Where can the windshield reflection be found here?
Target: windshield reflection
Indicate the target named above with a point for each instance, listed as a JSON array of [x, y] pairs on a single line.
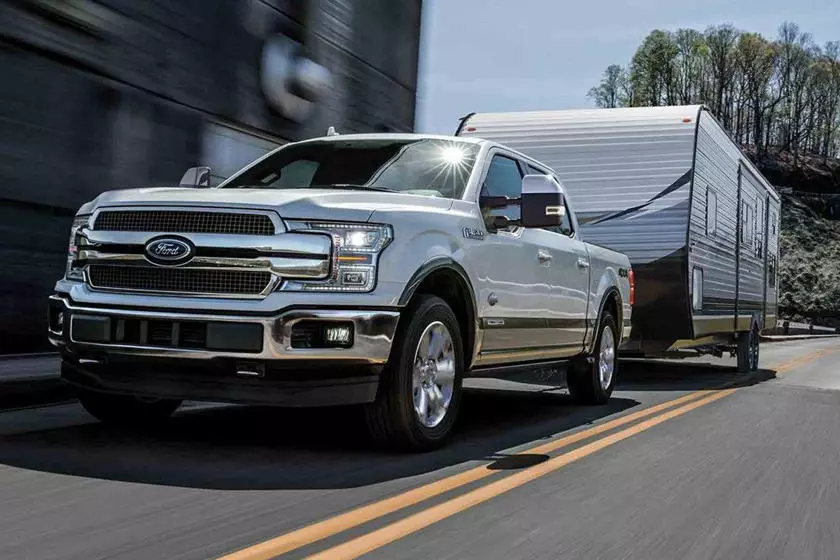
[[432, 167]]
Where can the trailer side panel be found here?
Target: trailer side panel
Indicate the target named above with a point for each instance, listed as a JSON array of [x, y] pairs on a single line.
[[733, 236]]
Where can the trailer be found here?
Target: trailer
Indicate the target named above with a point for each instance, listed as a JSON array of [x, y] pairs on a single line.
[[668, 187]]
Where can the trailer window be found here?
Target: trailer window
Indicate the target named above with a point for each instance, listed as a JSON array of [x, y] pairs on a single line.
[[711, 212], [760, 229], [771, 271], [697, 289], [747, 227]]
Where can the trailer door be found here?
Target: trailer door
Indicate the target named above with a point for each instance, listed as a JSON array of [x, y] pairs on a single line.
[[772, 255], [751, 252]]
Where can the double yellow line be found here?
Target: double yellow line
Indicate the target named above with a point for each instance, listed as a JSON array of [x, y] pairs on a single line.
[[368, 542]]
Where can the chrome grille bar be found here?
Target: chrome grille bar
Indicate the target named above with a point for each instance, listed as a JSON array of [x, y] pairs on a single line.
[[297, 267], [304, 244]]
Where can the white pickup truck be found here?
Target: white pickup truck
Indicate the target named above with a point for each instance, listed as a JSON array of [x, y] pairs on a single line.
[[373, 269]]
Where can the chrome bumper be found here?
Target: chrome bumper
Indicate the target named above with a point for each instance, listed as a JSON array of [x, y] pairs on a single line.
[[374, 333]]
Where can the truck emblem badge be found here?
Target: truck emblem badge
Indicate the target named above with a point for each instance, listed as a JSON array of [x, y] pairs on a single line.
[[169, 251], [473, 233]]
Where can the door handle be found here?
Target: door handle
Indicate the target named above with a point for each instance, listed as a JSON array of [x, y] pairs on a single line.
[[544, 257], [582, 263]]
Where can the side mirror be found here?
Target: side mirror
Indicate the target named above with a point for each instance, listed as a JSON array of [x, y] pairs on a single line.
[[196, 178], [542, 202]]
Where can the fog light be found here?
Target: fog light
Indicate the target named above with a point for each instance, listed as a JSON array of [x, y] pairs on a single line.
[[56, 317], [341, 335]]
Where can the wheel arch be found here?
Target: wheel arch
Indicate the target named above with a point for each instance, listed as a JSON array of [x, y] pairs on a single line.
[[444, 277], [611, 300]]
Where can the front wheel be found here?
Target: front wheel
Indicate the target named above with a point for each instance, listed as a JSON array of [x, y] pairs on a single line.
[[126, 410], [592, 381], [420, 388]]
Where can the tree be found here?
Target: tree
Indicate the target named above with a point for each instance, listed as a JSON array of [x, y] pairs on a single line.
[[691, 61], [756, 60], [652, 70], [721, 41], [782, 94], [827, 103], [612, 90]]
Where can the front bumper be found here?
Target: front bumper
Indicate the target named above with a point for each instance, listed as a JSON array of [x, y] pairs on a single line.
[[221, 356]]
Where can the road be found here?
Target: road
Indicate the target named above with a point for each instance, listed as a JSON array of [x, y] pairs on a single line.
[[688, 461]]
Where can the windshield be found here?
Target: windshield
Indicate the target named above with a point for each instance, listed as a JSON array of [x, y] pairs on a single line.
[[424, 166]]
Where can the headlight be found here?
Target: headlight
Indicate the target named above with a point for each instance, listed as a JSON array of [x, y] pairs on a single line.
[[356, 250], [72, 272]]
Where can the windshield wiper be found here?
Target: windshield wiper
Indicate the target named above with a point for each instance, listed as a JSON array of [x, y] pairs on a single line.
[[352, 186]]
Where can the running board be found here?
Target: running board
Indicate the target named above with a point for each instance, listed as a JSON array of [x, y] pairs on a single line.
[[551, 373]]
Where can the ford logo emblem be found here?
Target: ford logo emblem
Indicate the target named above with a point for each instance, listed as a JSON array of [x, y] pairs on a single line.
[[169, 251]]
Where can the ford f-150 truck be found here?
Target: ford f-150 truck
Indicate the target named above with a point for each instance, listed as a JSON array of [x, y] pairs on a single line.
[[376, 270]]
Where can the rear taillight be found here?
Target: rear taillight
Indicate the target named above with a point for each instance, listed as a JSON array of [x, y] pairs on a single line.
[[631, 276]]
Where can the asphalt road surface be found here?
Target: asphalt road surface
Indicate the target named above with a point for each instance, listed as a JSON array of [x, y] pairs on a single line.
[[688, 461]]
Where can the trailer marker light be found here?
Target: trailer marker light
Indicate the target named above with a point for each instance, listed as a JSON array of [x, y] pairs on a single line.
[[686, 120]]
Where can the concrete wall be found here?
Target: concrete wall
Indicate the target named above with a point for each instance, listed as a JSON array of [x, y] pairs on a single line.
[[120, 94]]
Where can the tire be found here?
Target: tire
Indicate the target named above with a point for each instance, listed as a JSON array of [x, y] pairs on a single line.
[[584, 379], [126, 410], [394, 418], [748, 351]]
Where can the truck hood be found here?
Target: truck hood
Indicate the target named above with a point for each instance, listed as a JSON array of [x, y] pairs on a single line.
[[316, 204]]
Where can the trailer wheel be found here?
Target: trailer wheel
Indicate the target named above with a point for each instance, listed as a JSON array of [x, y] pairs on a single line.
[[592, 381], [420, 388], [748, 351]]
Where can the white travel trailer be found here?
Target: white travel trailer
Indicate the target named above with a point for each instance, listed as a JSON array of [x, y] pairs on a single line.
[[668, 187]]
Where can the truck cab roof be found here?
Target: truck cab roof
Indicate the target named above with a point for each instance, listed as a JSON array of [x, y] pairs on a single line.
[[399, 136]]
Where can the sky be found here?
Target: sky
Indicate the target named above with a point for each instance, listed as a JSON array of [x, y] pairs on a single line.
[[502, 55]]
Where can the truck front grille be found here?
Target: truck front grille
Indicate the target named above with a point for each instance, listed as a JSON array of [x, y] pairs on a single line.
[[178, 280], [184, 221]]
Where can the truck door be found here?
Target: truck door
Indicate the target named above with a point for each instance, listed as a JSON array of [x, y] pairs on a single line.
[[511, 282], [568, 277]]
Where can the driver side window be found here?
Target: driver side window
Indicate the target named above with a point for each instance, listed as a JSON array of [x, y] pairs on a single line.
[[566, 227], [504, 178]]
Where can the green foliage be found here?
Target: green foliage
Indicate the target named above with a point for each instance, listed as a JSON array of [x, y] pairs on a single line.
[[612, 91], [810, 262], [782, 93]]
